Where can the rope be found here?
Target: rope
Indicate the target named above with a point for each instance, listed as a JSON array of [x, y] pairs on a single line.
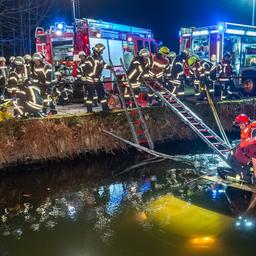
[[216, 116]]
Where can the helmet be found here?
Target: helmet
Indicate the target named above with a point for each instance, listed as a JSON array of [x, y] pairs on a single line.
[[242, 119], [99, 48], [144, 53], [187, 52], [172, 54], [37, 56], [164, 50], [58, 73], [2, 59], [11, 59], [192, 60], [82, 53], [19, 61], [28, 57]]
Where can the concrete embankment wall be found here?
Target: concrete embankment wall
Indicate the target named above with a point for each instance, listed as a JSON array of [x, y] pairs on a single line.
[[67, 137]]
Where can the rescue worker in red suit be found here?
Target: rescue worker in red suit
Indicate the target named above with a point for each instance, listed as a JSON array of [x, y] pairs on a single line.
[[177, 71], [137, 72], [81, 71], [201, 71], [94, 66], [160, 68], [224, 75], [41, 75], [245, 153]]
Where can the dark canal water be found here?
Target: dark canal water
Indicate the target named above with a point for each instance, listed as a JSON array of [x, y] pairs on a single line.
[[102, 208]]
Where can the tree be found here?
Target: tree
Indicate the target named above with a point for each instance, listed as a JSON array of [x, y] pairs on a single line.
[[18, 21]]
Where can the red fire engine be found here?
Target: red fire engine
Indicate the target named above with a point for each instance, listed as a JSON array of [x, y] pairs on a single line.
[[214, 41], [62, 43]]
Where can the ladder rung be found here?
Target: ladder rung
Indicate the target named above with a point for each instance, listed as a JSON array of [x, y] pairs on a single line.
[[210, 137], [217, 143], [196, 123], [190, 117], [134, 112], [140, 132], [225, 150], [172, 101], [177, 106], [203, 130], [137, 122]]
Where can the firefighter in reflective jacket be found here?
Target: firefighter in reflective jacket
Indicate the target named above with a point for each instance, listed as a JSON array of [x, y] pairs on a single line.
[[160, 68], [27, 99], [201, 71], [138, 70], [224, 75], [28, 61], [4, 73], [42, 77], [81, 71], [177, 70], [94, 66]]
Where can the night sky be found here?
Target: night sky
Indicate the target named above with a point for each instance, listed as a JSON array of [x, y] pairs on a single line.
[[164, 17]]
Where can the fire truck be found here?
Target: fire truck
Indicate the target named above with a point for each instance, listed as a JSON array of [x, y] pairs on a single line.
[[61, 43], [213, 42]]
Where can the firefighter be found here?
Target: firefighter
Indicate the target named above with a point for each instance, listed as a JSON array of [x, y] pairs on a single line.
[[42, 77], [28, 62], [245, 153], [3, 77], [81, 73], [159, 69], [201, 71], [27, 99], [178, 76], [92, 78], [63, 90], [224, 75], [138, 70]]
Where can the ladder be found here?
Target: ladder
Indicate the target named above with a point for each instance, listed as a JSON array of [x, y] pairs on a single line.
[[214, 141], [135, 118]]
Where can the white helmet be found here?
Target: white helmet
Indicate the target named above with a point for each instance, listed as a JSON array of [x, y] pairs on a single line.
[[144, 53], [81, 53]]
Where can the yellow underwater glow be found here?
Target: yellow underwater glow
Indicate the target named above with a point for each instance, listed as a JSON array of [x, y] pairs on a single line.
[[199, 225]]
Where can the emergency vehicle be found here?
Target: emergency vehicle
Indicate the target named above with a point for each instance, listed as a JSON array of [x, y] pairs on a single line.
[[62, 43], [213, 42]]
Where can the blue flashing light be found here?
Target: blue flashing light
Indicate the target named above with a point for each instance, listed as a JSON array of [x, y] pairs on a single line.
[[221, 28], [60, 26]]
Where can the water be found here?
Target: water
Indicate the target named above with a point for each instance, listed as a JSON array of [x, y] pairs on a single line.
[[89, 208]]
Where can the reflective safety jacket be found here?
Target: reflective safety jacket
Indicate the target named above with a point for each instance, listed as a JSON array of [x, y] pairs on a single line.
[[138, 70], [248, 132], [160, 67], [224, 70], [42, 74], [4, 73], [94, 66], [201, 70], [16, 79], [81, 69], [177, 70]]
